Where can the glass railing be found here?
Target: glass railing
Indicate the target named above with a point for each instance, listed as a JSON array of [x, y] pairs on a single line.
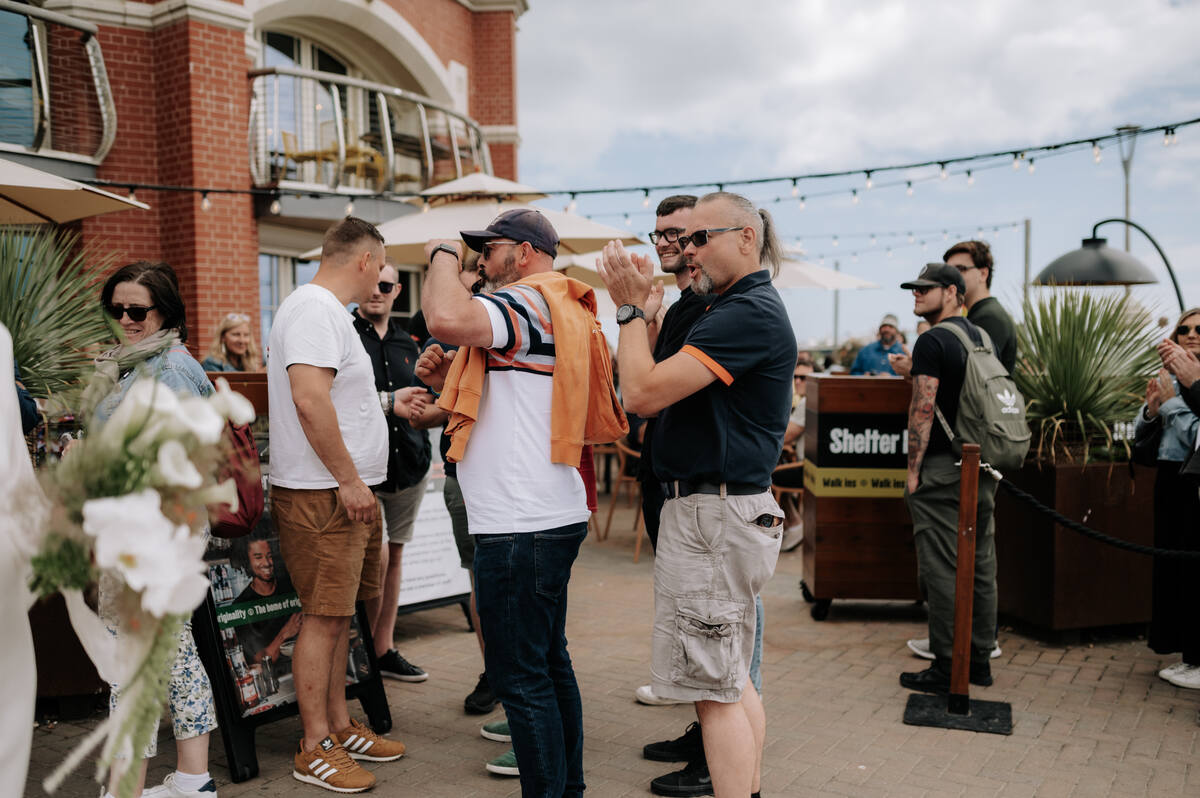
[[334, 132], [55, 99]]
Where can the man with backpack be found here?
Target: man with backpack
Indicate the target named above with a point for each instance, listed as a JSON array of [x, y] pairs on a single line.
[[943, 369]]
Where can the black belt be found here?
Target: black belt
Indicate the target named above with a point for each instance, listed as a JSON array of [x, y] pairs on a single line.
[[680, 488]]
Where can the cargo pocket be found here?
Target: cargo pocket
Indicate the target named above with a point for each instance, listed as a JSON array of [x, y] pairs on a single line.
[[708, 635]]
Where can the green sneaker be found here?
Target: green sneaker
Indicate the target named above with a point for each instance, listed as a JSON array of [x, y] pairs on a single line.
[[496, 730], [504, 765]]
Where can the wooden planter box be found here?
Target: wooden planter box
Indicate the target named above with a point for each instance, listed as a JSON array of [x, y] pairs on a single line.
[[1057, 579]]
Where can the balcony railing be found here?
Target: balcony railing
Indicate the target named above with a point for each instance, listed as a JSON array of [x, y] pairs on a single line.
[[338, 133], [55, 99]]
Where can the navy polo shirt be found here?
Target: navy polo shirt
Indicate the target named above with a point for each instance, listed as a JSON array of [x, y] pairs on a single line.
[[732, 430]]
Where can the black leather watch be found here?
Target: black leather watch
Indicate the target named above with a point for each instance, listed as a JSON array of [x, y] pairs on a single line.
[[627, 313], [444, 248]]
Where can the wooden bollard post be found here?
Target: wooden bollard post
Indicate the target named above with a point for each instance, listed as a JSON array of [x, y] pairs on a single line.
[[964, 587]]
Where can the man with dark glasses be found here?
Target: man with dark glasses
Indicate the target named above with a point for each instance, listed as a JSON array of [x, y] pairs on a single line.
[[393, 354], [722, 403]]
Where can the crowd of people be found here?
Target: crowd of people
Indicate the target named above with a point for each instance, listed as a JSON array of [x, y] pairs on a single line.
[[513, 369]]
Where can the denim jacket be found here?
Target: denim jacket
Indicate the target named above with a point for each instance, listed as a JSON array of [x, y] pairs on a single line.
[[1179, 427], [175, 368]]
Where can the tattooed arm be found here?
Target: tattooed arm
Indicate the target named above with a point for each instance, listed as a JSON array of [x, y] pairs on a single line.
[[920, 425]]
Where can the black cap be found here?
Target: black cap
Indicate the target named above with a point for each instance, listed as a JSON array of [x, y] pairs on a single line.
[[519, 224], [938, 274]]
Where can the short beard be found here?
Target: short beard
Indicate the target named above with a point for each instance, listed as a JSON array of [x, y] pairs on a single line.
[[508, 274], [680, 265], [703, 284]]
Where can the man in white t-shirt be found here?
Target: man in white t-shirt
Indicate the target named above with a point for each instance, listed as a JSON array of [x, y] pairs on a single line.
[[527, 513], [329, 444]]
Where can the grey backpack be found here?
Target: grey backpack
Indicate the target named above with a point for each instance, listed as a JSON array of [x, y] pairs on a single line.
[[991, 411]]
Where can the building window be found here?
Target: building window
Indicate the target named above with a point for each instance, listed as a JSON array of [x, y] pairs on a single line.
[[17, 98]]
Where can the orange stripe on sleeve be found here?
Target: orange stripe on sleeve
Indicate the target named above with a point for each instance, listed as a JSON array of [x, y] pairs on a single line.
[[712, 365]]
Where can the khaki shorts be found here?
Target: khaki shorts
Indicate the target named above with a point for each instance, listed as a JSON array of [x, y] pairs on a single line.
[[400, 512], [712, 560], [332, 560]]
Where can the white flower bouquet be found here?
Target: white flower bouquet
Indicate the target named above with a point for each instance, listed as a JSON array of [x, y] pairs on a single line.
[[129, 505]]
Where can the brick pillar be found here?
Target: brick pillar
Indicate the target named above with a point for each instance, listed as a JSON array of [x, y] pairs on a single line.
[[493, 93]]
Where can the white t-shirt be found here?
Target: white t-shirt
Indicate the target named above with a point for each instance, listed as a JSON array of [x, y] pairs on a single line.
[[312, 327], [508, 482]]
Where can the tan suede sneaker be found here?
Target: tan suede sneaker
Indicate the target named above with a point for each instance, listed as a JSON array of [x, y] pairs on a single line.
[[362, 743], [329, 766]]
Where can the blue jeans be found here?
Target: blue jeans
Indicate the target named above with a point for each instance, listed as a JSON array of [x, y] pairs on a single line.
[[756, 657], [521, 593]]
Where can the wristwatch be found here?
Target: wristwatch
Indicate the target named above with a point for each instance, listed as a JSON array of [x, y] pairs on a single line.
[[444, 248], [627, 313]]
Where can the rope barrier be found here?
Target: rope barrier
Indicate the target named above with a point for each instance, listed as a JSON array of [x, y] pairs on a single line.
[[1075, 526]]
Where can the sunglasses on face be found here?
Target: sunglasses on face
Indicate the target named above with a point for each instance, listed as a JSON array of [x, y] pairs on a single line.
[[801, 377], [237, 317], [490, 247], [700, 237], [924, 289], [1184, 329], [670, 235], [136, 312], [385, 287]]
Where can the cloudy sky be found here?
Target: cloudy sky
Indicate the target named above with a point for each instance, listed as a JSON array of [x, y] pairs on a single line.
[[629, 94]]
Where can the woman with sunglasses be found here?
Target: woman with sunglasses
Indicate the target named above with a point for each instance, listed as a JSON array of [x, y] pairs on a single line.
[[1174, 624], [233, 347], [144, 300]]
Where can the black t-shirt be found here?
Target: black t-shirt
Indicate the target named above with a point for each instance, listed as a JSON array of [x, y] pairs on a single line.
[[676, 324], [393, 358], [989, 314], [254, 637], [938, 353], [732, 429]]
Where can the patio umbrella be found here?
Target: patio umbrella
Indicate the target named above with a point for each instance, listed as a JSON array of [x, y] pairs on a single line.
[[31, 196], [802, 274], [479, 186], [404, 237]]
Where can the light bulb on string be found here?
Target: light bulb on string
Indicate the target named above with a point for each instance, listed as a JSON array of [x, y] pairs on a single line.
[[854, 195], [205, 202], [943, 174], [646, 198], [889, 252], [872, 239], [870, 182], [854, 256], [911, 238], [349, 209], [275, 207], [572, 205], [1167, 137], [1174, 136], [628, 221], [970, 178], [802, 203], [133, 194], [945, 235], [1016, 160], [835, 241], [1030, 166], [924, 246], [908, 188], [1096, 152], [795, 188]]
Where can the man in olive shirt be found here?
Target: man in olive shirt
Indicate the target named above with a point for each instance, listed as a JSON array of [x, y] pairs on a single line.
[[973, 259]]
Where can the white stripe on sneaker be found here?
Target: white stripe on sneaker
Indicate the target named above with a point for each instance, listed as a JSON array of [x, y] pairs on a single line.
[[320, 770], [330, 773]]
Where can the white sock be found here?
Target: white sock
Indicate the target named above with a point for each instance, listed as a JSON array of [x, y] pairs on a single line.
[[191, 782]]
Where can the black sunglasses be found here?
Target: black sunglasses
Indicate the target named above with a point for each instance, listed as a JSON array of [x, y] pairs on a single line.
[[1184, 329], [490, 247], [700, 237], [922, 290], [136, 312], [386, 287], [670, 235]]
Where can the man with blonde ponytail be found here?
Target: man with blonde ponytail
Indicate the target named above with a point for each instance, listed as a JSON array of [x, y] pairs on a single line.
[[723, 403]]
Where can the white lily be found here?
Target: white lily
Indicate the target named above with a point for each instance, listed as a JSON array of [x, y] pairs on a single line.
[[146, 403], [201, 419], [175, 467], [221, 493], [232, 404]]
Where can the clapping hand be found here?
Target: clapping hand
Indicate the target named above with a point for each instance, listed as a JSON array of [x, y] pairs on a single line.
[[627, 277], [1180, 362], [1158, 390]]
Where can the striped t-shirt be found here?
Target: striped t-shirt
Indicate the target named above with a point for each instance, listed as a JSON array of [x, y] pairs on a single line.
[[508, 482]]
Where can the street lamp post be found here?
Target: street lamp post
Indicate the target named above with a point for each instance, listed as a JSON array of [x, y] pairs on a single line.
[[1095, 263], [1127, 135]]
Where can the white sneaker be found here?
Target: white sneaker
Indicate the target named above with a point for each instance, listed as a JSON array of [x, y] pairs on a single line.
[[1188, 678], [168, 789], [1169, 671], [645, 695], [920, 647], [793, 536]]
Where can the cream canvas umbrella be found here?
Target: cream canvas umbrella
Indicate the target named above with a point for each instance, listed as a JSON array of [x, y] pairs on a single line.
[[404, 237], [31, 196], [802, 274], [583, 267], [477, 186]]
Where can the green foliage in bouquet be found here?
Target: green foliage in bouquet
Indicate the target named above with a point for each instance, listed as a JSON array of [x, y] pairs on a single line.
[[1084, 362]]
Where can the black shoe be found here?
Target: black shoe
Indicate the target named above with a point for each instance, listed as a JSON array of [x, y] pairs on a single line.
[[480, 701], [394, 666], [688, 748], [692, 780], [936, 679]]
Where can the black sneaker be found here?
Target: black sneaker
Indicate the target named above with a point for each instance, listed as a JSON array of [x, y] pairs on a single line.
[[692, 780], [480, 701], [688, 748], [936, 679], [394, 666]]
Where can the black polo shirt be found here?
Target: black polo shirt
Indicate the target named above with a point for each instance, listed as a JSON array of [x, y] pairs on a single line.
[[938, 353], [989, 314], [732, 430], [676, 324], [393, 358]]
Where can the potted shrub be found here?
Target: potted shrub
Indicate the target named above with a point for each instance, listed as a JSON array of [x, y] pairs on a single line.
[[1083, 363]]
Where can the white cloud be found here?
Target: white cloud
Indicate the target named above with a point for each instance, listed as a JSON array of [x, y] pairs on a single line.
[[816, 85]]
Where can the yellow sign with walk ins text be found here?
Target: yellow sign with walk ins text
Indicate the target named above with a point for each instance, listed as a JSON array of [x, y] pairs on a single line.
[[865, 482], [859, 454]]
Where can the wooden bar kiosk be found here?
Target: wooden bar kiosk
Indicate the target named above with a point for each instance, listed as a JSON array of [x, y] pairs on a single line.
[[858, 541]]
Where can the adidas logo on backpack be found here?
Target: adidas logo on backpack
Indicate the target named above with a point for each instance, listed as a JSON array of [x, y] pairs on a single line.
[[991, 411]]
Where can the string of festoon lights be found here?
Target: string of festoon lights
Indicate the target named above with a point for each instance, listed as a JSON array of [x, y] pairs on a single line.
[[937, 169], [885, 243]]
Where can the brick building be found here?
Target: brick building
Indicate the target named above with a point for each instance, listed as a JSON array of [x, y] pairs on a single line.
[[322, 106]]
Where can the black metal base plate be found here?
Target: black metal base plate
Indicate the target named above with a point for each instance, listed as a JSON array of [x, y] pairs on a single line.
[[991, 717]]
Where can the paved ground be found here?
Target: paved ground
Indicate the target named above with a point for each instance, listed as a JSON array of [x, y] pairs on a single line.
[[1090, 720]]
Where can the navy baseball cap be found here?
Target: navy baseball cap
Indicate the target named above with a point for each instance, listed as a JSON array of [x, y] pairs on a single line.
[[935, 275], [519, 224]]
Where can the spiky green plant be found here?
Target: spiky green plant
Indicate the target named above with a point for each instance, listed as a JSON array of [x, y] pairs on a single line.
[[1084, 362], [50, 302]]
